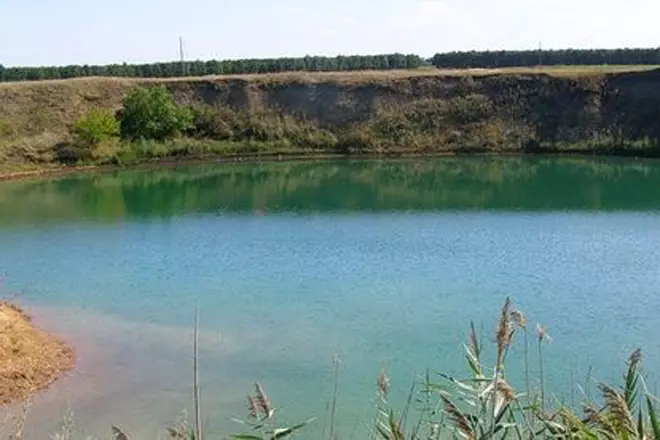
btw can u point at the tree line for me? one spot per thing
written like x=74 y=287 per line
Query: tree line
x=217 y=67
x=523 y=58
x=473 y=59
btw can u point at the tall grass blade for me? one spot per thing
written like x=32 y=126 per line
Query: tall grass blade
x=427 y=405
x=285 y=432
x=458 y=419
x=404 y=415
x=333 y=405
x=528 y=392
x=653 y=418
x=395 y=427
x=118 y=434
x=632 y=379
x=473 y=352
x=383 y=431
x=196 y=391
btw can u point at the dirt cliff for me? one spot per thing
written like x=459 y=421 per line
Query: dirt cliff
x=427 y=111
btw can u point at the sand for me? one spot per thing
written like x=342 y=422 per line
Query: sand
x=31 y=359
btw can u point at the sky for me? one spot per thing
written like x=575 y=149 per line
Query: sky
x=59 y=32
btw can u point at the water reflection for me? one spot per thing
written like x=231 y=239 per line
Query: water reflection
x=525 y=184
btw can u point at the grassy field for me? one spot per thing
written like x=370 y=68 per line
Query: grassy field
x=366 y=75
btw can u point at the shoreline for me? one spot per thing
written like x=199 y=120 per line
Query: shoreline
x=34 y=358
x=170 y=162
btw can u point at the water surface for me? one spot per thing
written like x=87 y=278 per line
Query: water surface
x=382 y=263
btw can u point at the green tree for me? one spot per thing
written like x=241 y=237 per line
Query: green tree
x=95 y=127
x=153 y=114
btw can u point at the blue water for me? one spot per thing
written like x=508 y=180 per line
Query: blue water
x=283 y=288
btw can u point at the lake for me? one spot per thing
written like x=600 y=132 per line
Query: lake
x=381 y=264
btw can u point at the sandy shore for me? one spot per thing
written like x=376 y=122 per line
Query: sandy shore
x=31 y=358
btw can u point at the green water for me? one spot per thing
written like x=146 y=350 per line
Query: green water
x=382 y=263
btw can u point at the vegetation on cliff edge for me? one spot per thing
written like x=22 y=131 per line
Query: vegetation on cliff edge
x=74 y=123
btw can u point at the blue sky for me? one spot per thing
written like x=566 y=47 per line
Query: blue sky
x=46 y=32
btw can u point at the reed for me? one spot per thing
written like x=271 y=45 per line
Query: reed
x=484 y=406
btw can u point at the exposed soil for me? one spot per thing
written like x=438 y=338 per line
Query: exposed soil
x=428 y=111
x=31 y=358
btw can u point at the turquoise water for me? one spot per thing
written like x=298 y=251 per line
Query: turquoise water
x=383 y=264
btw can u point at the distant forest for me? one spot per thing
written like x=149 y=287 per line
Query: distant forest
x=215 y=67
x=487 y=59
x=568 y=57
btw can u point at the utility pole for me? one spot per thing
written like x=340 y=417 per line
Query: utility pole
x=183 y=62
x=540 y=54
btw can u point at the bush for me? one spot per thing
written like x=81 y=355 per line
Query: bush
x=356 y=141
x=393 y=127
x=71 y=154
x=107 y=151
x=153 y=114
x=261 y=127
x=212 y=124
x=315 y=138
x=470 y=109
x=97 y=126
x=6 y=128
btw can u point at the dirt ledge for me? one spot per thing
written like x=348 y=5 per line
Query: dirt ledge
x=30 y=359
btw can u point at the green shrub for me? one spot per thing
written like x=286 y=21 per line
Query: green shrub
x=261 y=127
x=427 y=115
x=315 y=138
x=153 y=114
x=6 y=128
x=150 y=149
x=470 y=109
x=72 y=154
x=97 y=126
x=393 y=127
x=107 y=151
x=357 y=140
x=211 y=123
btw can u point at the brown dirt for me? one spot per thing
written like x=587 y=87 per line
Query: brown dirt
x=31 y=358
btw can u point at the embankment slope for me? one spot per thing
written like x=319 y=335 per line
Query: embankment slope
x=373 y=112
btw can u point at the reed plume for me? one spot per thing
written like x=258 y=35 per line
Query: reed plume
x=263 y=401
x=617 y=408
x=458 y=419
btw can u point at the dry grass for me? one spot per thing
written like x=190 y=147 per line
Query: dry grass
x=32 y=359
x=559 y=71
x=359 y=76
